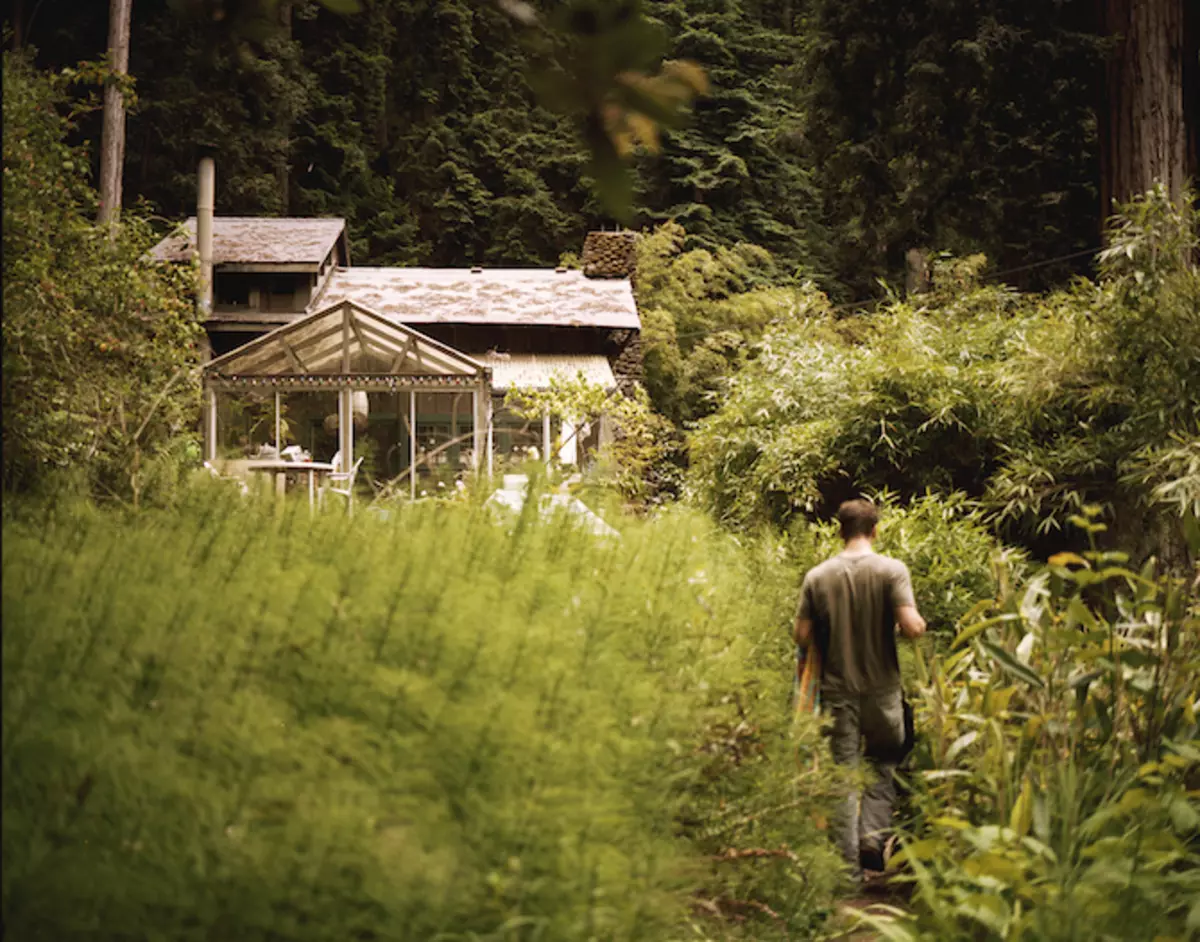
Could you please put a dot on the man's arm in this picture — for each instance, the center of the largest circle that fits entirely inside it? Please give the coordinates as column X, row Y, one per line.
column 911, row 624
column 802, row 630
column 904, row 603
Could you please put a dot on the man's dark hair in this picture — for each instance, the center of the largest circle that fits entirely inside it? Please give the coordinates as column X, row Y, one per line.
column 857, row 518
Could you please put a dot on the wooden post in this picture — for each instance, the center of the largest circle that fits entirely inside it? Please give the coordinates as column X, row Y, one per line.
column 546, row 438
column 278, row 428
column 491, row 439
column 606, row 431
column 210, row 425
column 346, row 439
column 346, row 410
column 482, row 439
column 345, row 428
column 412, row 444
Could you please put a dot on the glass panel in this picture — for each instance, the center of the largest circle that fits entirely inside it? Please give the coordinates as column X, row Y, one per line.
column 318, row 344
column 515, row 439
column 445, row 430
column 310, row 420
column 383, row 441
column 588, row 437
column 245, row 424
column 367, row 361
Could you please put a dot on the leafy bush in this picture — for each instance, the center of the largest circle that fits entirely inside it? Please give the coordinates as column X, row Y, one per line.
column 827, row 406
column 943, row 541
column 99, row 342
column 699, row 311
column 1055, row 793
column 631, row 462
column 1035, row 405
column 231, row 721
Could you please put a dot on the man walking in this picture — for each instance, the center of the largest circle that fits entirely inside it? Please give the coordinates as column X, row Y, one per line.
column 850, row 607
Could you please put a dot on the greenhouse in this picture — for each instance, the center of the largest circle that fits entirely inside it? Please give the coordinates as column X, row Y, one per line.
column 345, row 381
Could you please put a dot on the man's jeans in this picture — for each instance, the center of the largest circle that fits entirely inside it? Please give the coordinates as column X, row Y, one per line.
column 878, row 718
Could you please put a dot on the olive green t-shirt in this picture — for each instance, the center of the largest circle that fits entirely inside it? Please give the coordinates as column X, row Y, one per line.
column 852, row 601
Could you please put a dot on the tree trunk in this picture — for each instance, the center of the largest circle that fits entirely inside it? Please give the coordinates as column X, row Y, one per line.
column 1143, row 128
column 1191, row 87
column 112, row 142
column 282, row 161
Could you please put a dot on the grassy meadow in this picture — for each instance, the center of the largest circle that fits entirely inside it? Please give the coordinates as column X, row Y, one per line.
column 228, row 720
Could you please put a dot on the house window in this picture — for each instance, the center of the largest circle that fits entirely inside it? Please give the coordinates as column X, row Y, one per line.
column 232, row 289
column 281, row 293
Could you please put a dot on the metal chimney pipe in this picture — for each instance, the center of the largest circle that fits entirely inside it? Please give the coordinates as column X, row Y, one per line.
column 205, row 197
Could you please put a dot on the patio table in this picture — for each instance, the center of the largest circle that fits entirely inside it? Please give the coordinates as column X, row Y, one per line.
column 280, row 468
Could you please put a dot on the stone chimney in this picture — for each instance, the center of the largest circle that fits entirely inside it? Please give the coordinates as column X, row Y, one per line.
column 610, row 254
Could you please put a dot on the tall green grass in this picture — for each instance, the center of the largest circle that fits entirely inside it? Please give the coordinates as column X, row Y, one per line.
column 1055, row 789
column 230, row 720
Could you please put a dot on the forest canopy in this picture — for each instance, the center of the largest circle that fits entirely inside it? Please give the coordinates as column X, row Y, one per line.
column 836, row 136
column 943, row 256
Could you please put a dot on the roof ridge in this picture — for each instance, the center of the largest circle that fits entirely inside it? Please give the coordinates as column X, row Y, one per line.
column 218, row 217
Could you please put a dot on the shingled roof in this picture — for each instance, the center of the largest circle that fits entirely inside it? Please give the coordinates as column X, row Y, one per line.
column 501, row 296
column 256, row 240
column 535, row 370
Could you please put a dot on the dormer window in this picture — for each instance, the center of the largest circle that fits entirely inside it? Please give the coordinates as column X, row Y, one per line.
column 280, row 293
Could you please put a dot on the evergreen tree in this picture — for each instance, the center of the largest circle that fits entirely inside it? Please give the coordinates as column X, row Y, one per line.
column 737, row 172
column 963, row 125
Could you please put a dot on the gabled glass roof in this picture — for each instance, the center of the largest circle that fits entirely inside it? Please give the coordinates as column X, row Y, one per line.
column 344, row 338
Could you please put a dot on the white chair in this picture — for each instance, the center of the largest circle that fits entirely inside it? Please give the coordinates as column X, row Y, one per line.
column 243, row 488
column 345, row 478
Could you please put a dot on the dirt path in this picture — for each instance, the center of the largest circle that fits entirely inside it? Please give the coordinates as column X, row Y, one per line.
column 876, row 895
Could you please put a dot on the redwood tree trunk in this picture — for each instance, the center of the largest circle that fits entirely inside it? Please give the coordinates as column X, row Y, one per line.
column 112, row 141
column 282, row 169
column 1191, row 88
column 1143, row 128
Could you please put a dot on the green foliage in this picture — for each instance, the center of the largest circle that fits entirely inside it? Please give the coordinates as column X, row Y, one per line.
column 825, row 405
column 593, row 62
column 739, row 171
column 436, row 153
column 1033, row 404
column 232, row 720
column 699, row 310
column 962, row 126
column 641, row 438
column 836, row 135
column 1054, row 788
column 457, row 132
column 204, row 82
column 98, row 341
column 944, row 541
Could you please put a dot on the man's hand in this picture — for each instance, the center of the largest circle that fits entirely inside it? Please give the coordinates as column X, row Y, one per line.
column 911, row 624
column 803, row 631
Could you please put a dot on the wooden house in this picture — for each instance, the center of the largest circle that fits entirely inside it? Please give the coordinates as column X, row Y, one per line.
column 408, row 367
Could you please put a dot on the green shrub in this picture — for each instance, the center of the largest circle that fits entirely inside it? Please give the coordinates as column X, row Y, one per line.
column 944, row 542
column 1055, row 792
column 699, row 311
column 1034, row 405
column 900, row 400
column 233, row 721
column 100, row 358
